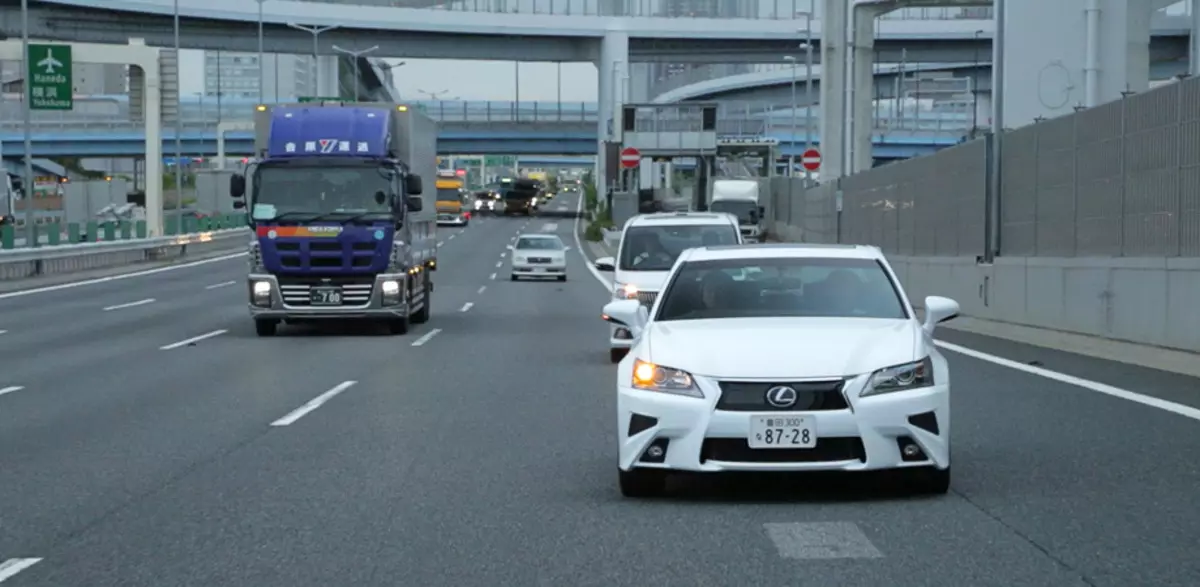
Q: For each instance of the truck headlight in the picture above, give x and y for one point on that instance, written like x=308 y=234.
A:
x=390 y=291
x=260 y=293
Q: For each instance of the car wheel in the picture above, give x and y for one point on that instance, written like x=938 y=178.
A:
x=562 y=277
x=615 y=355
x=265 y=327
x=642 y=482
x=513 y=277
x=930 y=481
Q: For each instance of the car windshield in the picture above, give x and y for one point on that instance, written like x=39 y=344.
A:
x=655 y=248
x=318 y=190
x=743 y=209
x=539 y=243
x=781 y=287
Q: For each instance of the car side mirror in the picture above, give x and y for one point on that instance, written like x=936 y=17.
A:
x=237 y=185
x=414 y=203
x=413 y=185
x=627 y=313
x=606 y=264
x=938 y=310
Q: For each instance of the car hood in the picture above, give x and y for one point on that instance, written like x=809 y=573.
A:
x=782 y=347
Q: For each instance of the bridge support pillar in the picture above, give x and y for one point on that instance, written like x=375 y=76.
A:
x=834 y=62
x=862 y=84
x=613 y=71
x=146 y=59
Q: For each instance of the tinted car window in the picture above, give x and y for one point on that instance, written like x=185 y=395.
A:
x=655 y=248
x=792 y=287
x=539 y=243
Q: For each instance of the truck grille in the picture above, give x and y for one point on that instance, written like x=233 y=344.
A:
x=298 y=291
x=539 y=259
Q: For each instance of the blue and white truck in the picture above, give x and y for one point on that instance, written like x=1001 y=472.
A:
x=343 y=228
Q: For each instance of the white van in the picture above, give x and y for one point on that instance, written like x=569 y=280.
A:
x=650 y=244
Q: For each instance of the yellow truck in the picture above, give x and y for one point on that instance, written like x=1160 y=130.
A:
x=450 y=197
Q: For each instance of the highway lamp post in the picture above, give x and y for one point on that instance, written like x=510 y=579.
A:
x=808 y=84
x=315 y=31
x=261 y=64
x=179 y=130
x=995 y=185
x=975 y=89
x=792 y=143
x=517 y=85
x=355 y=55
x=27 y=190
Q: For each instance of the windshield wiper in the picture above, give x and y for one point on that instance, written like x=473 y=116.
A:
x=309 y=216
x=352 y=216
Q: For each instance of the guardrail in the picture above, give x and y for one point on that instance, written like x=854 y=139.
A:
x=29 y=262
x=56 y=234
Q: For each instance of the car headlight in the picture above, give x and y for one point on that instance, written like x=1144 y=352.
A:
x=904 y=377
x=625 y=291
x=254 y=258
x=650 y=377
x=518 y=259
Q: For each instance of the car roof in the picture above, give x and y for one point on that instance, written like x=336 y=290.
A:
x=680 y=218
x=784 y=250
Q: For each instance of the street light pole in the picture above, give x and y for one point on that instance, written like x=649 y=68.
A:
x=975 y=89
x=315 y=31
x=996 y=185
x=517 y=84
x=808 y=82
x=433 y=96
x=179 y=131
x=355 y=55
x=792 y=158
x=261 y=65
x=28 y=189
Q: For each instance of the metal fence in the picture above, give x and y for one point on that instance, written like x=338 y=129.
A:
x=1118 y=180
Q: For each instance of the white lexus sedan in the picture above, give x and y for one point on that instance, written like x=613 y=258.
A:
x=782 y=357
x=539 y=255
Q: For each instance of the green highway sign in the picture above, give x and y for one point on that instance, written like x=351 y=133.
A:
x=50 y=84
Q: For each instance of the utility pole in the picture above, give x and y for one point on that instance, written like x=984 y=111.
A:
x=355 y=55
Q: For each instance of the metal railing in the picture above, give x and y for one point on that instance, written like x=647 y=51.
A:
x=721 y=9
x=733 y=118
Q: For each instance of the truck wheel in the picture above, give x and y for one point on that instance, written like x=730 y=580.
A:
x=265 y=327
x=422 y=316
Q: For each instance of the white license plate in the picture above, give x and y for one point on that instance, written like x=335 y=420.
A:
x=782 y=431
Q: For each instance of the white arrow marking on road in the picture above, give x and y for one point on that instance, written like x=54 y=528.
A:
x=313 y=404
x=12 y=566
x=130 y=304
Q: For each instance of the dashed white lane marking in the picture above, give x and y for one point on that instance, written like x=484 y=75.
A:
x=188 y=341
x=440 y=243
x=74 y=284
x=491 y=277
x=466 y=306
x=219 y=285
x=313 y=404
x=12 y=566
x=502 y=255
x=452 y=236
x=821 y=540
x=426 y=337
x=130 y=304
x=481 y=288
x=6 y=332
x=499 y=263
x=11 y=389
x=1096 y=386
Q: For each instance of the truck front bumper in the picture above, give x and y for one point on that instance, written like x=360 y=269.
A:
x=383 y=299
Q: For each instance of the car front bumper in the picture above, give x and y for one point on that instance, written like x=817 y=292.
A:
x=865 y=437
x=371 y=305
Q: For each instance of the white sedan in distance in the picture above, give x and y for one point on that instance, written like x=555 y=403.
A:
x=782 y=357
x=539 y=255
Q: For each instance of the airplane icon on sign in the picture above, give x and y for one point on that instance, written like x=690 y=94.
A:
x=50 y=64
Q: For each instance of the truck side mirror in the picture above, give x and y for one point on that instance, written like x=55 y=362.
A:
x=237 y=185
x=414 y=202
x=762 y=211
x=412 y=185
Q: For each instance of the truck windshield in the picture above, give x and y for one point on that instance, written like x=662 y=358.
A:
x=318 y=190
x=739 y=208
x=448 y=195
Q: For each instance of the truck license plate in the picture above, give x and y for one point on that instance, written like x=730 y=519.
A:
x=326 y=296
x=777 y=431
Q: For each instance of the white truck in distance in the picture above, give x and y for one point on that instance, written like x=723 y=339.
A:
x=740 y=198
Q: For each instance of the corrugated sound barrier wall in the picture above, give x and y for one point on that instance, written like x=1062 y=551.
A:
x=1099 y=221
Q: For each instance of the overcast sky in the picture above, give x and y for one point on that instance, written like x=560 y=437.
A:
x=464 y=80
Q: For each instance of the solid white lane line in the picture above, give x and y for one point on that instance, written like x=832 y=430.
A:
x=604 y=281
x=11 y=389
x=313 y=404
x=188 y=341
x=74 y=284
x=427 y=336
x=12 y=566
x=492 y=277
x=481 y=288
x=130 y=305
x=222 y=284
x=466 y=306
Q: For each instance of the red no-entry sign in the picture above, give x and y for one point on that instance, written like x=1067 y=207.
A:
x=811 y=159
x=630 y=157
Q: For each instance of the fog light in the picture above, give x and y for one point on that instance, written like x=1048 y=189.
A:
x=391 y=288
x=911 y=450
x=655 y=452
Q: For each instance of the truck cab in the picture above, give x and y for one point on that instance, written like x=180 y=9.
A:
x=335 y=200
x=740 y=197
x=451 y=210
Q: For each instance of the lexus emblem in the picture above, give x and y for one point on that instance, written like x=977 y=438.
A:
x=782 y=396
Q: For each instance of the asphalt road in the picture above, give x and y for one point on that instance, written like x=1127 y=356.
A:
x=479 y=450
